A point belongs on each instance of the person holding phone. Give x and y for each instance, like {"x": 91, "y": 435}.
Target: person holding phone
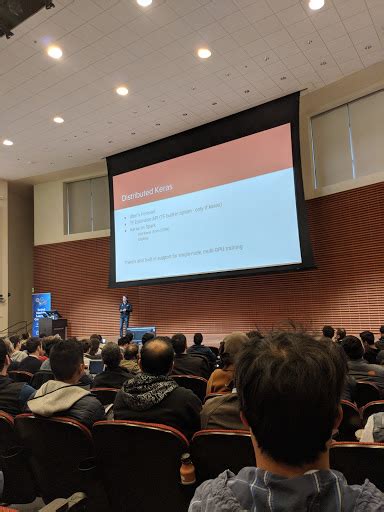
{"x": 125, "y": 311}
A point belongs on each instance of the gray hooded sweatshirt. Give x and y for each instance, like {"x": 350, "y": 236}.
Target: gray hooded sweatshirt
{"x": 255, "y": 490}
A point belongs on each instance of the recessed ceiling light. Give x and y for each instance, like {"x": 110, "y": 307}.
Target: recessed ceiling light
{"x": 55, "y": 52}
{"x": 7, "y": 142}
{"x": 316, "y": 4}
{"x": 204, "y": 53}
{"x": 58, "y": 120}
{"x": 122, "y": 91}
{"x": 144, "y": 3}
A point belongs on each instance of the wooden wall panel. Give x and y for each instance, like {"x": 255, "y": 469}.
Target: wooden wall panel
{"x": 346, "y": 289}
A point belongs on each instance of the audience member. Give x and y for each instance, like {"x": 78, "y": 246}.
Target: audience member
{"x": 114, "y": 375}
{"x": 147, "y": 336}
{"x": 380, "y": 341}
{"x": 328, "y": 332}
{"x": 222, "y": 412}
{"x": 49, "y": 342}
{"x": 374, "y": 429}
{"x": 32, "y": 362}
{"x": 199, "y": 348}
{"x": 358, "y": 367}
{"x": 289, "y": 387}
{"x": 94, "y": 352}
{"x": 187, "y": 364}
{"x": 340, "y": 334}
{"x": 221, "y": 380}
{"x": 13, "y": 395}
{"x": 124, "y": 341}
{"x": 371, "y": 352}
{"x": 153, "y": 396}
{"x": 63, "y": 397}
{"x": 130, "y": 359}
{"x": 17, "y": 354}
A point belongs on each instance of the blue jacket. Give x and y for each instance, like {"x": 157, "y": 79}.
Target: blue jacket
{"x": 255, "y": 490}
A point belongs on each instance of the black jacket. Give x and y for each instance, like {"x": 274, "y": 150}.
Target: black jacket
{"x": 14, "y": 395}
{"x": 30, "y": 364}
{"x": 187, "y": 364}
{"x": 126, "y": 306}
{"x": 111, "y": 378}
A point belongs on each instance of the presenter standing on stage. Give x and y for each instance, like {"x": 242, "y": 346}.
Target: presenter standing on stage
{"x": 125, "y": 311}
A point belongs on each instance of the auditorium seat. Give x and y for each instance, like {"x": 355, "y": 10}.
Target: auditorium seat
{"x": 60, "y": 454}
{"x": 366, "y": 392}
{"x": 18, "y": 482}
{"x": 215, "y": 350}
{"x": 196, "y": 384}
{"x": 350, "y": 423}
{"x": 214, "y": 451}
{"x": 372, "y": 408}
{"x": 140, "y": 465}
{"x": 105, "y": 395}
{"x": 358, "y": 461}
{"x": 20, "y": 376}
{"x": 41, "y": 377}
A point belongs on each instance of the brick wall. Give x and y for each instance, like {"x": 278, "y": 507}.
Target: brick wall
{"x": 346, "y": 290}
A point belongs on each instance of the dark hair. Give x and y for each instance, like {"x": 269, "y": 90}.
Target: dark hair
{"x": 96, "y": 336}
{"x": 328, "y": 331}
{"x": 48, "y": 345}
{"x": 198, "y": 338}
{"x": 131, "y": 352}
{"x": 33, "y": 344}
{"x": 125, "y": 340}
{"x": 3, "y": 353}
{"x": 340, "y": 333}
{"x": 179, "y": 343}
{"x": 66, "y": 357}
{"x": 254, "y": 334}
{"x": 353, "y": 347}
{"x": 147, "y": 336}
{"x": 381, "y": 329}
{"x": 157, "y": 357}
{"x": 111, "y": 355}
{"x": 25, "y": 336}
{"x": 86, "y": 344}
{"x": 95, "y": 345}
{"x": 14, "y": 340}
{"x": 289, "y": 386}
{"x": 368, "y": 337}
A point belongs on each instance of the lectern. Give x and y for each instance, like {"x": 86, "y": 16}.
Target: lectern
{"x": 51, "y": 327}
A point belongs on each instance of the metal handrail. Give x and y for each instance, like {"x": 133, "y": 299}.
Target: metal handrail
{"x": 24, "y": 327}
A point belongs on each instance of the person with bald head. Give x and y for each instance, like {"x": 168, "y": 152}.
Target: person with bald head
{"x": 154, "y": 397}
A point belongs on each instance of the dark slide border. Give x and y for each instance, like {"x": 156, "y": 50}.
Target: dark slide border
{"x": 269, "y": 115}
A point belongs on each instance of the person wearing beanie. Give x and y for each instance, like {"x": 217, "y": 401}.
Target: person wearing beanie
{"x": 221, "y": 380}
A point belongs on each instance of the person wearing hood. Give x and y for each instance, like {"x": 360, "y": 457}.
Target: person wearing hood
{"x": 153, "y": 396}
{"x": 289, "y": 386}
{"x": 63, "y": 397}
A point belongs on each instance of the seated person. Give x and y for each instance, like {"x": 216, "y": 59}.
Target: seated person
{"x": 17, "y": 354}
{"x": 94, "y": 352}
{"x": 62, "y": 397}
{"x": 289, "y": 387}
{"x": 340, "y": 334}
{"x": 358, "y": 367}
{"x": 13, "y": 395}
{"x": 371, "y": 351}
{"x": 32, "y": 362}
{"x": 221, "y": 380}
{"x": 153, "y": 396}
{"x": 124, "y": 341}
{"x": 130, "y": 359}
{"x": 222, "y": 412}
{"x": 374, "y": 429}
{"x": 49, "y": 342}
{"x": 199, "y": 348}
{"x": 114, "y": 375}
{"x": 147, "y": 336}
{"x": 380, "y": 341}
{"x": 186, "y": 364}
{"x": 328, "y": 332}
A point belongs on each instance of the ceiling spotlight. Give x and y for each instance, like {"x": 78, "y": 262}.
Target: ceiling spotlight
{"x": 58, "y": 120}
{"x": 122, "y": 91}
{"x": 204, "y": 53}
{"x": 144, "y": 3}
{"x": 7, "y": 142}
{"x": 316, "y": 4}
{"x": 55, "y": 52}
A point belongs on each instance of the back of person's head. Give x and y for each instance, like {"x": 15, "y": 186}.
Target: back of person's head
{"x": 328, "y": 331}
{"x": 66, "y": 358}
{"x": 156, "y": 357}
{"x": 254, "y": 334}
{"x": 3, "y": 353}
{"x": 289, "y": 387}
{"x": 48, "y": 343}
{"x": 367, "y": 337}
{"x": 32, "y": 345}
{"x": 131, "y": 352}
{"x": 111, "y": 355}
{"x": 125, "y": 340}
{"x": 340, "y": 333}
{"x": 179, "y": 343}
{"x": 15, "y": 340}
{"x": 198, "y": 338}
{"x": 25, "y": 336}
{"x": 353, "y": 347}
{"x": 98, "y": 336}
{"x": 94, "y": 346}
{"x": 147, "y": 336}
{"x": 381, "y": 330}
{"x": 86, "y": 344}
{"x": 232, "y": 345}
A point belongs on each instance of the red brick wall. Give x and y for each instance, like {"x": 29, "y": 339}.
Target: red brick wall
{"x": 346, "y": 290}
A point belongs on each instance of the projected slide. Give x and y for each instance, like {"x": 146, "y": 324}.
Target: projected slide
{"x": 225, "y": 208}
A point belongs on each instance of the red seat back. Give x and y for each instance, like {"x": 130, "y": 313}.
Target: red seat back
{"x": 214, "y": 451}
{"x": 366, "y": 392}
{"x": 196, "y": 384}
{"x": 140, "y": 463}
{"x": 350, "y": 423}
{"x": 372, "y": 408}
